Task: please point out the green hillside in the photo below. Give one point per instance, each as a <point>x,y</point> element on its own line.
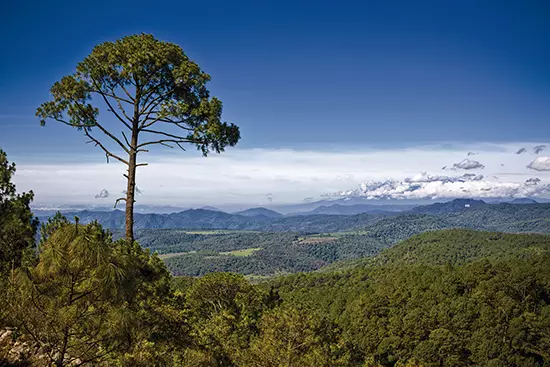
<point>442,298</point>
<point>459,246</point>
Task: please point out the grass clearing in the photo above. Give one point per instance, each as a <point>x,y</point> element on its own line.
<point>348,233</point>
<point>212,254</point>
<point>218,231</point>
<point>174,254</point>
<point>242,253</point>
<point>314,240</point>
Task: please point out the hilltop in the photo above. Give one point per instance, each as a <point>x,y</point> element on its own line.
<point>260,212</point>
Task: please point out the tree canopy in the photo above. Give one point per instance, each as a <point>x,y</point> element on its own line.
<point>154,91</point>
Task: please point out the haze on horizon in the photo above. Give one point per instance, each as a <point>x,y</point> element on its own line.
<point>400,101</point>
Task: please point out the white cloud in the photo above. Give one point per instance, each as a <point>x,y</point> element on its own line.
<point>540,164</point>
<point>103,194</point>
<point>426,177</point>
<point>468,164</point>
<point>424,186</point>
<point>244,176</point>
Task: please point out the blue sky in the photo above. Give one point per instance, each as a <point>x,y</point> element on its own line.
<point>307,76</point>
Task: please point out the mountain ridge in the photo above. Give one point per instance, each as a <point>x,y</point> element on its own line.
<point>480,215</point>
<point>259,212</point>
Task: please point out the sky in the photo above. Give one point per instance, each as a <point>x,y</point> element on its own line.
<point>332,99</point>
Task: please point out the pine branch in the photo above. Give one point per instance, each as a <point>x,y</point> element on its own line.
<point>102,94</point>
<point>107,152</point>
<point>105,131</point>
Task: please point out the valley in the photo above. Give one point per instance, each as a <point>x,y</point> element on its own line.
<point>261,242</point>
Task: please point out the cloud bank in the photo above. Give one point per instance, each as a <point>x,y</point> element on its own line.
<point>425,186</point>
<point>253,177</point>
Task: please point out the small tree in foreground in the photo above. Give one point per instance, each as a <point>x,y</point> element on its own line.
<point>71,302</point>
<point>90,299</point>
<point>156,94</point>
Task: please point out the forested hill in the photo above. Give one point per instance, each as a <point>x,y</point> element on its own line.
<point>478,215</point>
<point>459,246</point>
<point>456,298</point>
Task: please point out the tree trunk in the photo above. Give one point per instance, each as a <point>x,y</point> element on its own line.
<point>130,198</point>
<point>131,187</point>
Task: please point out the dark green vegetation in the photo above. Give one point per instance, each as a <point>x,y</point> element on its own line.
<point>484,313</point>
<point>460,246</point>
<point>87,296</point>
<point>451,297</point>
<point>17,225</point>
<point>281,239</point>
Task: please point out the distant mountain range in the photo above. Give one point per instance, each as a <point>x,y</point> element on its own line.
<point>343,206</point>
<point>469,213</point>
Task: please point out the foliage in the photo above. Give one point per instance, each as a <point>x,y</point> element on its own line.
<point>476,314</point>
<point>459,246</point>
<point>89,298</point>
<point>295,337</point>
<point>72,301</point>
<point>17,224</point>
<point>290,253</point>
<point>284,251</point>
<point>17,231</point>
<point>51,225</point>
<point>224,310</point>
